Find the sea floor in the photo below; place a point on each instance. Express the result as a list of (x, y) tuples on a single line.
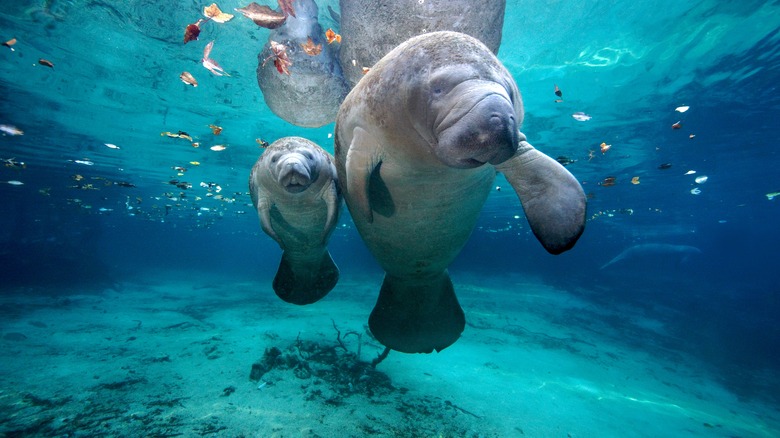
[(172, 355)]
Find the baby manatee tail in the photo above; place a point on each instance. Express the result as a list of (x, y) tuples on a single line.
[(305, 282), (417, 315)]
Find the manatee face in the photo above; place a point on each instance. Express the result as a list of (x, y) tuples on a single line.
[(472, 116), (295, 169)]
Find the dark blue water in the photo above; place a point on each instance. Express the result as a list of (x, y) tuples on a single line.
[(115, 80)]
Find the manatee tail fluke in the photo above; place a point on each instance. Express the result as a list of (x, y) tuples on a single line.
[(305, 283), (417, 316)]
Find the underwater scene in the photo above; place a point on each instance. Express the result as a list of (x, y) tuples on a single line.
[(389, 218)]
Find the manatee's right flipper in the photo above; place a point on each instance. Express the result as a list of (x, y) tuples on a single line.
[(305, 282), (362, 159), (417, 316), (553, 200)]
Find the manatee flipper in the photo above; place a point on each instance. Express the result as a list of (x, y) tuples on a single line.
[(361, 162), (264, 212), (552, 198), (417, 315), (331, 197), (305, 282)]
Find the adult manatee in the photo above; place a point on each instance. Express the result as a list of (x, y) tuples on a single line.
[(371, 28), (649, 251), (310, 95), (418, 143), (294, 189)]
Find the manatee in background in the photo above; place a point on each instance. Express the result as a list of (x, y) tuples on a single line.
[(418, 143), (371, 28), (649, 251), (310, 95), (294, 189)]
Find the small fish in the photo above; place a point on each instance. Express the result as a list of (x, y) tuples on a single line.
[(677, 125), (773, 195), (332, 36), (218, 148), (180, 134), (262, 143), (564, 160), (45, 63), (84, 162), (111, 146), (665, 166), (608, 181), (11, 130), (14, 183), (581, 117), (188, 79), (10, 43), (558, 91)]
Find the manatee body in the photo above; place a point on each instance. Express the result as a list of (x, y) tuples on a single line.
[(646, 251), (295, 191), (310, 95), (371, 28), (418, 143)]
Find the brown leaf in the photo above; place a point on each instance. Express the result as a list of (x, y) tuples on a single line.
[(263, 16), (188, 79), (310, 48), (192, 31), (331, 36), (286, 7), (46, 63), (216, 14)]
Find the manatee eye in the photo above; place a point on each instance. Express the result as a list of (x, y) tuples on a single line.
[(308, 156), (274, 158)]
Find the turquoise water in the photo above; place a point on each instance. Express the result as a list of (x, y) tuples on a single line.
[(96, 237)]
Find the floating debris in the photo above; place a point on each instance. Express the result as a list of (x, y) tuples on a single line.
[(677, 125), (124, 184), (84, 162), (682, 109), (188, 79), (310, 48), (215, 14), (665, 166), (331, 36), (10, 43), (195, 163), (180, 184), (192, 31), (14, 182), (45, 63), (286, 7), (558, 91), (692, 136), (76, 177), (695, 191), (111, 146), (263, 16), (281, 60), (210, 64), (701, 179), (13, 164), (218, 148), (179, 134), (581, 117), (365, 70), (608, 181), (604, 147), (179, 169), (690, 172), (635, 180), (216, 130), (773, 195), (11, 130)]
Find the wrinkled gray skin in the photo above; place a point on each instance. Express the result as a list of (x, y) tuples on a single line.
[(310, 95), (418, 143), (684, 252), (294, 189), (371, 28)]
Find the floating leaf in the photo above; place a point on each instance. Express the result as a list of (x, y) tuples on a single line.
[(635, 180), (310, 48), (111, 146), (677, 125), (263, 16), (11, 130), (192, 31), (212, 11), (180, 134), (604, 147), (10, 43), (218, 148), (558, 91), (682, 109), (331, 36), (281, 60), (45, 62), (188, 79), (286, 7), (210, 64), (216, 129)]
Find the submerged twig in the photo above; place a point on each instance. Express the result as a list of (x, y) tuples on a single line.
[(382, 356)]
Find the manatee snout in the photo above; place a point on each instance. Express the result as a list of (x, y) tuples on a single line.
[(295, 174), (487, 133)]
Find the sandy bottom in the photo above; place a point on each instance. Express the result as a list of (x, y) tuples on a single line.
[(173, 357)]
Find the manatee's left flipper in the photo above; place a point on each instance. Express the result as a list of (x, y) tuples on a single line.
[(264, 212), (552, 198), (362, 159), (330, 195), (305, 281)]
